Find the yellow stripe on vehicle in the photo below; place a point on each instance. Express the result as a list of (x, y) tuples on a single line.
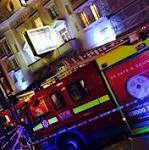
[(38, 127), (53, 120), (116, 55), (104, 98), (91, 104)]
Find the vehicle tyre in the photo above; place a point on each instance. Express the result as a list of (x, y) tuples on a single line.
[(71, 144)]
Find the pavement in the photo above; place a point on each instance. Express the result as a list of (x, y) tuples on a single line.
[(133, 143)]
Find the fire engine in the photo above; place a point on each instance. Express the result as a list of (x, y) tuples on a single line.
[(79, 104), (84, 106), (103, 97)]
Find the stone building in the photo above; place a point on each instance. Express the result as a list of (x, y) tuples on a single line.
[(76, 25)]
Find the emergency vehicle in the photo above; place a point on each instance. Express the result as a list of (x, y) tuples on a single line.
[(82, 108)]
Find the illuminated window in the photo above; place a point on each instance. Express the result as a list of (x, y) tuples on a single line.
[(77, 90), (8, 65), (37, 22), (89, 14), (24, 2), (65, 35), (39, 107), (84, 19), (14, 63), (11, 64), (58, 100), (94, 11)]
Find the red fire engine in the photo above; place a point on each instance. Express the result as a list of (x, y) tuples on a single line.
[(80, 105)]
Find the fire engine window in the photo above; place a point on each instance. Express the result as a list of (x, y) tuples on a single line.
[(58, 100), (39, 107), (77, 90)]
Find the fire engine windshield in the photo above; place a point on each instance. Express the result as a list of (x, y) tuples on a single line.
[(39, 107)]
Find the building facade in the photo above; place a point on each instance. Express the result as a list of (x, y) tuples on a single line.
[(77, 25), (19, 63)]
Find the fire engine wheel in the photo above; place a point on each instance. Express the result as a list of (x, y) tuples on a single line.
[(71, 144)]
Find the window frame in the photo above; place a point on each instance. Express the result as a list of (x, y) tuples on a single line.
[(41, 100), (89, 14), (95, 12), (21, 31), (65, 35), (84, 19), (35, 24), (5, 48), (12, 63), (2, 51), (86, 90), (54, 105), (52, 8)]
